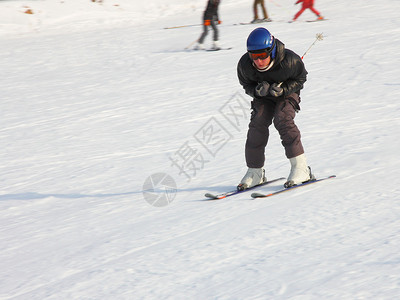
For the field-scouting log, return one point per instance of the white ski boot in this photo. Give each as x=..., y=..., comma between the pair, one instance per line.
x=199, y=47
x=300, y=171
x=216, y=46
x=253, y=177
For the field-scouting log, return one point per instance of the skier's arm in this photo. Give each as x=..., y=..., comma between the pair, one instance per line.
x=297, y=78
x=248, y=85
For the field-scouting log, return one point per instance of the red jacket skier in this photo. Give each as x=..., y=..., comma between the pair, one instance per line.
x=307, y=4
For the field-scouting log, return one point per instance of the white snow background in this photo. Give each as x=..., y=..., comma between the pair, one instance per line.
x=97, y=98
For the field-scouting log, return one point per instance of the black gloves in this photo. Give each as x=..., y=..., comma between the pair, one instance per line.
x=262, y=89
x=276, y=90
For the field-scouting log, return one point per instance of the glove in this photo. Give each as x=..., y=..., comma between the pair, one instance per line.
x=275, y=90
x=207, y=22
x=262, y=89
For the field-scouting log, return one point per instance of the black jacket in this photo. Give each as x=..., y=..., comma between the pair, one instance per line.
x=288, y=68
x=211, y=12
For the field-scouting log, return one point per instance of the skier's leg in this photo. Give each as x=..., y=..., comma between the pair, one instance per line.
x=214, y=27
x=199, y=45
x=257, y=139
x=204, y=34
x=288, y=131
x=258, y=133
x=255, y=9
x=315, y=11
x=285, y=112
x=298, y=13
x=264, y=10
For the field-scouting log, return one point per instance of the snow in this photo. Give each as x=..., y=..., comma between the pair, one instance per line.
x=99, y=102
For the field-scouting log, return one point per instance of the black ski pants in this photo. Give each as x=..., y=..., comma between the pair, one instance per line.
x=282, y=114
x=213, y=25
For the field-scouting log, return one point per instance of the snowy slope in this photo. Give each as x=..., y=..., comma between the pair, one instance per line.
x=97, y=98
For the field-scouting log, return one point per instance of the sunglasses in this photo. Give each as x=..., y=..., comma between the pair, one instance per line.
x=262, y=55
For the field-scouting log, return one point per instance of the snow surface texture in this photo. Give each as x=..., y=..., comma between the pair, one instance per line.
x=99, y=103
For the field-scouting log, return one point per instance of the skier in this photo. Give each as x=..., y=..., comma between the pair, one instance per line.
x=273, y=76
x=263, y=9
x=210, y=18
x=307, y=4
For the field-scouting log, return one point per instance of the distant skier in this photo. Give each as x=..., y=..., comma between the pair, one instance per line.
x=273, y=76
x=210, y=18
x=307, y=4
x=263, y=9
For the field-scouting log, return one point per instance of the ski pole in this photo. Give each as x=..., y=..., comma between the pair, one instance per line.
x=181, y=26
x=190, y=45
x=277, y=4
x=318, y=37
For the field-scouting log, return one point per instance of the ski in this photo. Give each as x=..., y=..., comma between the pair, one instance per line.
x=254, y=23
x=229, y=48
x=208, y=50
x=316, y=20
x=261, y=195
x=304, y=21
x=235, y=192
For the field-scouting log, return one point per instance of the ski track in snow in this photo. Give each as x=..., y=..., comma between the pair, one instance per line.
x=96, y=98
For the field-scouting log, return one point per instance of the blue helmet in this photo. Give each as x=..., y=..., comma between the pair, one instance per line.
x=260, y=40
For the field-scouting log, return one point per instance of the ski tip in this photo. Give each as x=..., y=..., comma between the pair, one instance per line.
x=214, y=197
x=258, y=195
x=210, y=196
